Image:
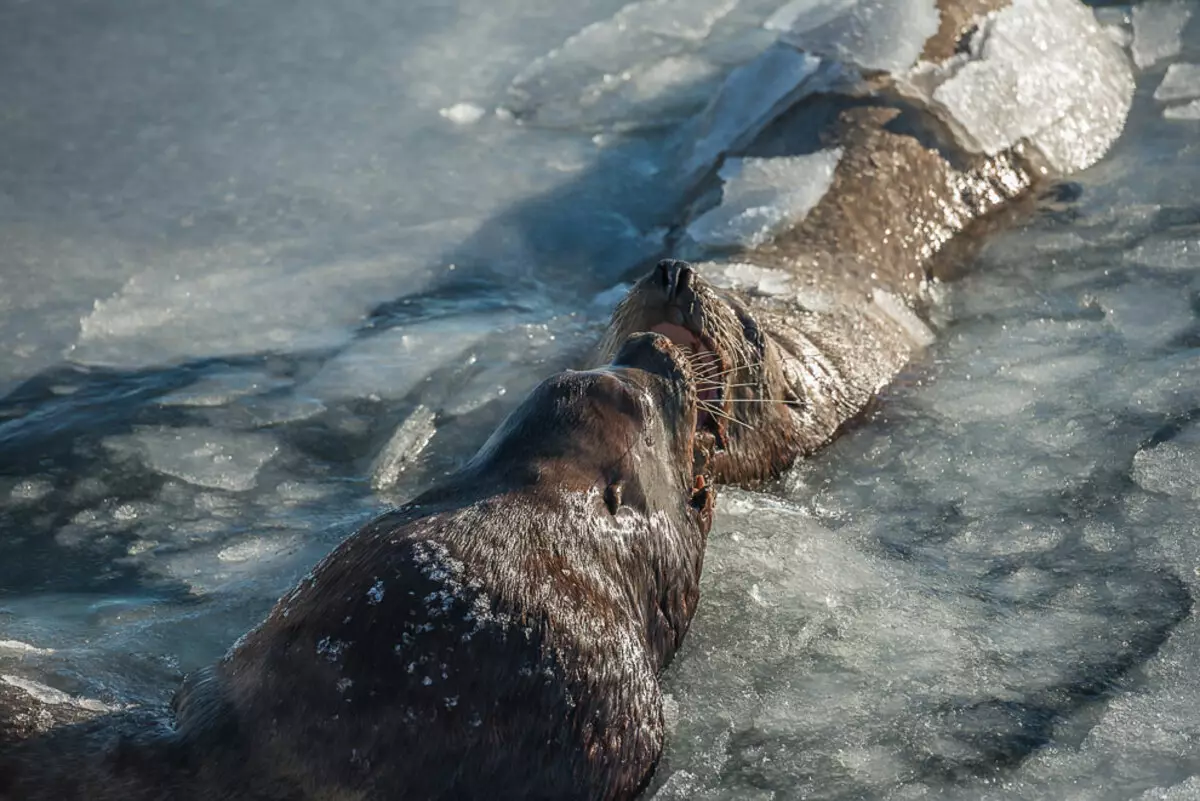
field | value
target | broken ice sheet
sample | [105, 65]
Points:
[763, 196]
[751, 97]
[1171, 467]
[1042, 70]
[406, 445]
[644, 55]
[1188, 111]
[1182, 82]
[391, 363]
[886, 35]
[1157, 30]
[206, 457]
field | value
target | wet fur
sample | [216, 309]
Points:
[500, 636]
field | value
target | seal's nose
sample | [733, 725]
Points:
[676, 278]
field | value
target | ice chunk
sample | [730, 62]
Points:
[1187, 790]
[1157, 29]
[1146, 315]
[221, 388]
[751, 96]
[644, 57]
[49, 695]
[1039, 70]
[206, 457]
[1171, 467]
[463, 113]
[31, 489]
[1182, 82]
[886, 35]
[243, 300]
[1188, 111]
[22, 648]
[1166, 252]
[740, 275]
[390, 364]
[763, 196]
[406, 444]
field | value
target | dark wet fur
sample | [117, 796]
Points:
[500, 636]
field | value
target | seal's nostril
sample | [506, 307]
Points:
[675, 275]
[684, 282]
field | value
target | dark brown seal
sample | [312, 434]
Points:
[498, 637]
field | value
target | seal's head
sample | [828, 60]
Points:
[633, 423]
[748, 406]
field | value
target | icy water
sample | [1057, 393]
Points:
[267, 268]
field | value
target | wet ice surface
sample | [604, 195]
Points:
[235, 327]
[761, 197]
[986, 591]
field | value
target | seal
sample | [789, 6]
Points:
[795, 334]
[499, 636]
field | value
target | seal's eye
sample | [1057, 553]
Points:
[612, 496]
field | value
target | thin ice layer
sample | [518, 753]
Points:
[243, 299]
[647, 54]
[1182, 82]
[1158, 29]
[751, 96]
[764, 196]
[886, 35]
[403, 448]
[1188, 111]
[1043, 71]
[206, 457]
[390, 364]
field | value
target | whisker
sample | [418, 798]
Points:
[759, 400]
[718, 413]
[735, 369]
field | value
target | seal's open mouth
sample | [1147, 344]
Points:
[706, 364]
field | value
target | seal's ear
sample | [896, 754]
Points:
[612, 496]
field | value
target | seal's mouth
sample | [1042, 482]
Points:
[706, 366]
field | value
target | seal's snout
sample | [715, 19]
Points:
[654, 353]
[676, 280]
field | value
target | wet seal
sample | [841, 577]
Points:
[499, 636]
[796, 332]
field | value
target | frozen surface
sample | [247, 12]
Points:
[403, 448]
[886, 35]
[648, 56]
[266, 271]
[761, 197]
[1052, 60]
[750, 97]
[1187, 111]
[202, 456]
[1157, 30]
[1181, 82]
